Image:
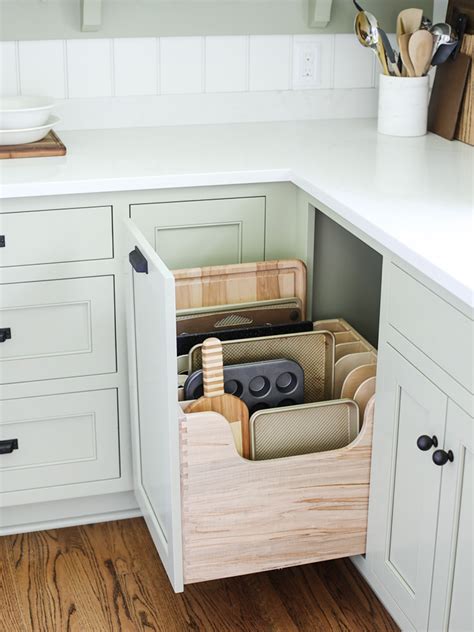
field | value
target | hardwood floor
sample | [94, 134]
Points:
[108, 577]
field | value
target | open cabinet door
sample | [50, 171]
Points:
[151, 333]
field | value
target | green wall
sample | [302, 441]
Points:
[58, 19]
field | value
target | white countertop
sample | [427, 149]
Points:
[412, 195]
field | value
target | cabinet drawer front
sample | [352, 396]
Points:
[244, 517]
[62, 440]
[227, 231]
[439, 330]
[62, 328]
[76, 234]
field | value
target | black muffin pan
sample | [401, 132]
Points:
[265, 384]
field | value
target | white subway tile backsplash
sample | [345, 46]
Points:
[270, 62]
[353, 64]
[181, 65]
[89, 67]
[323, 47]
[9, 79]
[207, 69]
[136, 66]
[226, 64]
[42, 68]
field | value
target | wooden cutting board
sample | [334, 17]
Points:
[465, 127]
[447, 96]
[51, 145]
[241, 283]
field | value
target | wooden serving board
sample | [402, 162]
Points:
[465, 127]
[51, 145]
[241, 283]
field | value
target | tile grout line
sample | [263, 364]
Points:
[18, 72]
[203, 64]
[66, 73]
[112, 66]
[158, 65]
[247, 64]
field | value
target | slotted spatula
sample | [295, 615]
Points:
[215, 399]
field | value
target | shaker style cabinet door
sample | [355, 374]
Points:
[198, 233]
[405, 483]
[151, 335]
[453, 586]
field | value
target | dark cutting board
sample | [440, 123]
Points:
[51, 145]
[447, 96]
[451, 79]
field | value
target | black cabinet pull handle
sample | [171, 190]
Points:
[426, 443]
[8, 445]
[441, 457]
[2, 241]
[138, 261]
[5, 334]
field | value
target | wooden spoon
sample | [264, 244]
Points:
[403, 42]
[409, 21]
[420, 50]
[217, 400]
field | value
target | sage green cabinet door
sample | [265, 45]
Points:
[204, 232]
[453, 586]
[405, 484]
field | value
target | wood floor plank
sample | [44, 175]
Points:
[108, 578]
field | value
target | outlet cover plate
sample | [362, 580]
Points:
[306, 64]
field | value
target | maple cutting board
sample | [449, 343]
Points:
[50, 145]
[241, 283]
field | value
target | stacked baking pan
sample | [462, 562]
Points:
[307, 385]
[25, 119]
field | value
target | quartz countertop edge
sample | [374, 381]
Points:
[413, 196]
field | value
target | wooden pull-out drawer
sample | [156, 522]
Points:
[61, 439]
[56, 236]
[242, 516]
[210, 512]
[56, 329]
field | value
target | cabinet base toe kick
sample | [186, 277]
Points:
[243, 516]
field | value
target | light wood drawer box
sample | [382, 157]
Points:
[437, 328]
[210, 512]
[63, 328]
[62, 440]
[56, 236]
[228, 230]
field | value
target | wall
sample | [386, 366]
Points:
[56, 19]
[153, 81]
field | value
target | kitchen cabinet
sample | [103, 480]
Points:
[453, 582]
[196, 233]
[420, 534]
[406, 483]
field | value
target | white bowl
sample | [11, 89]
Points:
[24, 112]
[23, 136]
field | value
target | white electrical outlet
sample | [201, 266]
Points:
[306, 64]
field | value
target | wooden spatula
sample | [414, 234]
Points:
[409, 21]
[216, 400]
[420, 49]
[403, 42]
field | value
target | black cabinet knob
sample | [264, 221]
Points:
[441, 457]
[426, 443]
[5, 334]
[8, 445]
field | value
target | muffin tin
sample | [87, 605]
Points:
[261, 385]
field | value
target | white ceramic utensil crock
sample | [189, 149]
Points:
[403, 105]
